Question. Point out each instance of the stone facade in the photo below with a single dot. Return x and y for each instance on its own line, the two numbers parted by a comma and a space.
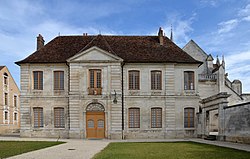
9, 103
114, 98
98, 99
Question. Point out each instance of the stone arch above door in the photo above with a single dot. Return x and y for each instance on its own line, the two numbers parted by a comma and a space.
95, 107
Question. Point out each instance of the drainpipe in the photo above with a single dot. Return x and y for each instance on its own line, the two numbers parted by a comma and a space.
122, 102
68, 97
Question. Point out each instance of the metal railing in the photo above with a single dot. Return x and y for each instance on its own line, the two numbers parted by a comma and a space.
207, 77
95, 91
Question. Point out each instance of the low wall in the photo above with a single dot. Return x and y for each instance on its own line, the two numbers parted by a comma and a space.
237, 123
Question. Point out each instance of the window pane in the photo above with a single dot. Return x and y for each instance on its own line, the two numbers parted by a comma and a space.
100, 123
91, 123
15, 116
98, 79
189, 80
58, 80
38, 117
156, 80
6, 98
6, 115
59, 117
38, 80
189, 117
134, 118
156, 117
95, 82
15, 101
134, 80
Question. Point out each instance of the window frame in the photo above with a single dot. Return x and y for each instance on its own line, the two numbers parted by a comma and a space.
59, 117
189, 115
39, 84
40, 118
189, 80
15, 118
156, 119
95, 82
6, 115
156, 81
134, 118
58, 83
15, 101
134, 80
6, 99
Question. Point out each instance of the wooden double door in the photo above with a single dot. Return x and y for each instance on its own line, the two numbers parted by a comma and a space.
95, 125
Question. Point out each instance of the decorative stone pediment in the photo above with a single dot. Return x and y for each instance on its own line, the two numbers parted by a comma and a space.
94, 54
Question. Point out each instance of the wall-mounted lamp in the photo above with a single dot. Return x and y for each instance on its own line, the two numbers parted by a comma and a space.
115, 100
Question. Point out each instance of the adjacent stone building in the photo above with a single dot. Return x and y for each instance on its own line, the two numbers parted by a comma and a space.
109, 87
9, 103
224, 109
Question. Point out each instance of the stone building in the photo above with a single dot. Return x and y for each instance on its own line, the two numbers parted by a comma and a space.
224, 109
9, 103
109, 87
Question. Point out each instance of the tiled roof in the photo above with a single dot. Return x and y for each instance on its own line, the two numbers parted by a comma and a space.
1, 67
134, 49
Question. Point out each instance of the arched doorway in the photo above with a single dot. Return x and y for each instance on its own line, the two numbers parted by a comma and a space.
95, 121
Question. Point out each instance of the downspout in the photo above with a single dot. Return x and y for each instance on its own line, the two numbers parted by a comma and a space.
122, 102
68, 97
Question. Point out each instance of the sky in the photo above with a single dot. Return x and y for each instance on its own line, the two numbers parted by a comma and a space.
219, 27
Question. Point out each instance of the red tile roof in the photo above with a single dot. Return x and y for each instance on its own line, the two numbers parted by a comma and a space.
134, 49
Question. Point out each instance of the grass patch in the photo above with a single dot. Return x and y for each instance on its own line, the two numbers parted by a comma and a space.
12, 148
169, 150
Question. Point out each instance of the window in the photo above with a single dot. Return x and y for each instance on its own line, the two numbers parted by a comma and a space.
134, 117
95, 80
5, 98
15, 116
91, 123
38, 117
189, 118
5, 80
134, 80
189, 80
58, 80
5, 76
15, 101
59, 118
156, 117
38, 80
6, 115
156, 80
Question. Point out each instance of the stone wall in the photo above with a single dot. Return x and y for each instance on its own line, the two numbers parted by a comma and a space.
237, 123
9, 124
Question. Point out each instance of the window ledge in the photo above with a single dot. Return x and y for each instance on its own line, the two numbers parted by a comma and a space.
134, 92
190, 128
156, 92
189, 92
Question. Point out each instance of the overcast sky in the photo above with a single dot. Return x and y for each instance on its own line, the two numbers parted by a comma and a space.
219, 27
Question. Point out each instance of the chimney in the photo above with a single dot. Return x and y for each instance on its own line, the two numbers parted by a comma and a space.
160, 36
40, 42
